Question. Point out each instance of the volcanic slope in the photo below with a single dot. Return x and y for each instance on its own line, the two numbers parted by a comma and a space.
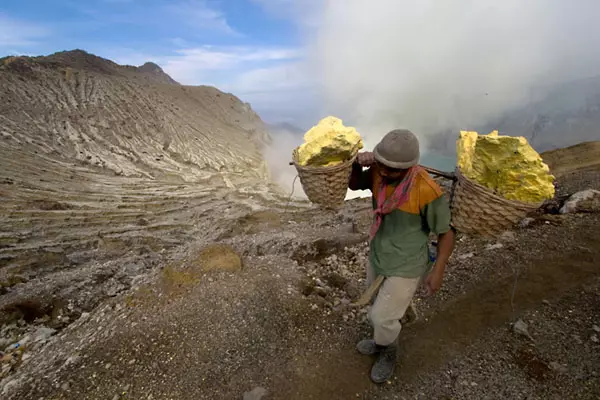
105, 167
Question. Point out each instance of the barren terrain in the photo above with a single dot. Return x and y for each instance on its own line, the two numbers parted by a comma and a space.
125, 278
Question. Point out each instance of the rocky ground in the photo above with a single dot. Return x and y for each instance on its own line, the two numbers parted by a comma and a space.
134, 267
260, 299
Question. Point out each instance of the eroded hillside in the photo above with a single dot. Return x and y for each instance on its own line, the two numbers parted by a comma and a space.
73, 107
106, 168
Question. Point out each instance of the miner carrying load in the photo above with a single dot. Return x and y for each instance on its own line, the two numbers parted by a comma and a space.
408, 205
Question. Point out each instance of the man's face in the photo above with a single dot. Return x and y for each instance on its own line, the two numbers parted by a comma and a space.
391, 173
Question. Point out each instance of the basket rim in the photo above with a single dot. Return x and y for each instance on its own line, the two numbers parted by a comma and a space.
320, 169
493, 196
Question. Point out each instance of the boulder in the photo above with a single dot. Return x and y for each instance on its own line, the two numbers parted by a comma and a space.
584, 201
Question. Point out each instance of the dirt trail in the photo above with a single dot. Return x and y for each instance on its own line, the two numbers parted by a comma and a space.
431, 342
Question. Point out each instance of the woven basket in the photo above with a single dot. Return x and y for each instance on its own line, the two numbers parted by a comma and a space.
478, 210
325, 186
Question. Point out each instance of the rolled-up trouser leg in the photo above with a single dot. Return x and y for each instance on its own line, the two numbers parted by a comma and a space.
391, 303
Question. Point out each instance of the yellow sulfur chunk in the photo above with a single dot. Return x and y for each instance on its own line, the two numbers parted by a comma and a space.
507, 165
329, 143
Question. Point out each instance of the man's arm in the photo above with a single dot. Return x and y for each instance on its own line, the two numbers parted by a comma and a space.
438, 217
445, 248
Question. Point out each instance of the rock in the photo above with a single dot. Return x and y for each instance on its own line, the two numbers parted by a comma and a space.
336, 280
43, 334
321, 291
255, 394
596, 328
143, 222
521, 328
352, 290
584, 201
558, 367
218, 257
594, 338
525, 222
466, 256
494, 246
4, 342
307, 286
10, 386
508, 236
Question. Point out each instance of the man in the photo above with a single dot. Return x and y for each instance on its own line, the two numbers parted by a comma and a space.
408, 204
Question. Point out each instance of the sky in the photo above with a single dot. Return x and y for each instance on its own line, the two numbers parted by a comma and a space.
424, 65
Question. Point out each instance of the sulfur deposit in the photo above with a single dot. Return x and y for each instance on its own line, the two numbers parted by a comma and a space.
507, 165
329, 143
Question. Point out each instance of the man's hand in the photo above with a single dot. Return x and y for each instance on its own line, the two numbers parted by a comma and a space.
365, 159
433, 281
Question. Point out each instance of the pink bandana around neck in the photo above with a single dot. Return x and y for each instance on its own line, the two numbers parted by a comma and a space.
397, 199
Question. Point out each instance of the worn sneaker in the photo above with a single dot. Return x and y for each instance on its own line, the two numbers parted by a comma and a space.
383, 369
367, 347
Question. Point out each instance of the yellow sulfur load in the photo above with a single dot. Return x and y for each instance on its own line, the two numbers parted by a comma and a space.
329, 143
507, 165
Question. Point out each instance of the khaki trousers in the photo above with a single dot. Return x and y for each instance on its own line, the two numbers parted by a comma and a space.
392, 301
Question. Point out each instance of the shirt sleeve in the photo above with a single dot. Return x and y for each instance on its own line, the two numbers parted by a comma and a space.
360, 179
437, 216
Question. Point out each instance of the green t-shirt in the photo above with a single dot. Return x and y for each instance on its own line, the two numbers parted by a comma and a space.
400, 246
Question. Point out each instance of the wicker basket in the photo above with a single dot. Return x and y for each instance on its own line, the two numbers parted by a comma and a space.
478, 210
325, 186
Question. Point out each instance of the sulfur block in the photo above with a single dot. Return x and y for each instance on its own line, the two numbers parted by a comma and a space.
329, 143
508, 165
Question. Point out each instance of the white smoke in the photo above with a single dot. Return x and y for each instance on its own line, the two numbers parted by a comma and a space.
435, 65
278, 156
432, 65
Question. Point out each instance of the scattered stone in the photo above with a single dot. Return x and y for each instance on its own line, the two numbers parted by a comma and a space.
525, 222
43, 334
522, 329
596, 328
466, 256
255, 394
321, 291
558, 367
336, 280
584, 201
509, 236
594, 338
10, 386
143, 222
494, 246
577, 339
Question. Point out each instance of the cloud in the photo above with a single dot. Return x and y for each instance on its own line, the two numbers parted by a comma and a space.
18, 33
222, 64
199, 15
